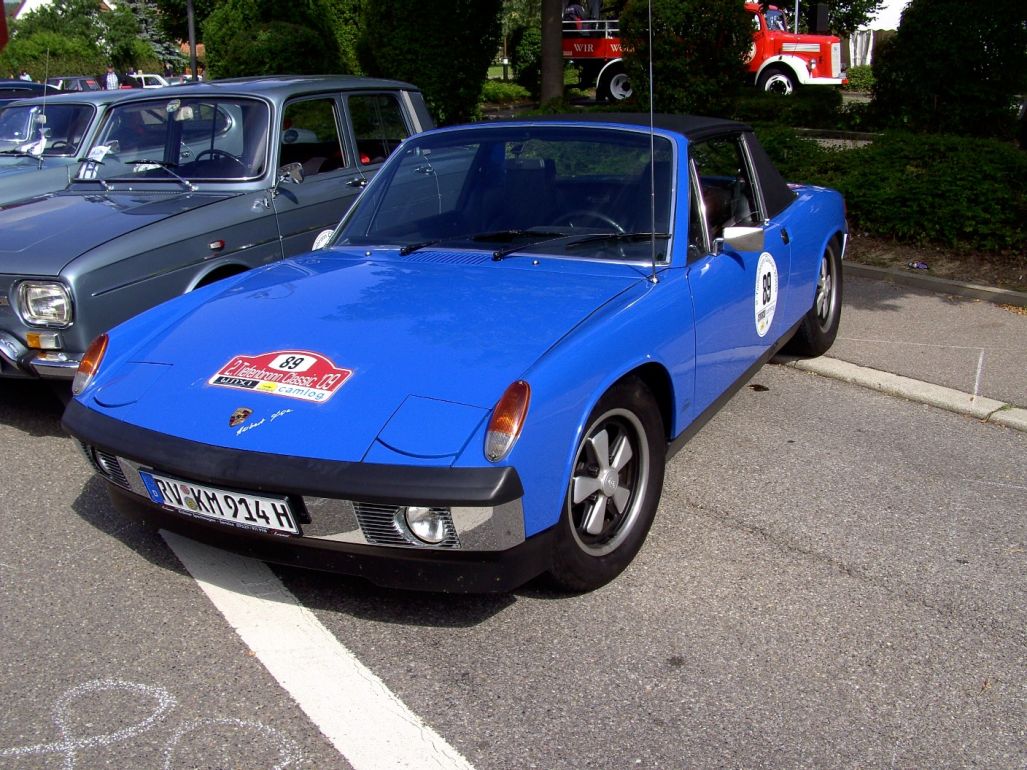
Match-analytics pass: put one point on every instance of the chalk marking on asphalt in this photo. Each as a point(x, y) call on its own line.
point(980, 372)
point(926, 344)
point(354, 709)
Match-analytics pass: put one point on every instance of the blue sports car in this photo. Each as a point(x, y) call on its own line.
point(480, 374)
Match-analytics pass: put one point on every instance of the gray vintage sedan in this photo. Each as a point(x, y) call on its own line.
point(41, 140)
point(183, 187)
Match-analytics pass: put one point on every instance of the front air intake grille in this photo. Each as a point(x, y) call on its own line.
point(450, 257)
point(385, 525)
point(107, 465)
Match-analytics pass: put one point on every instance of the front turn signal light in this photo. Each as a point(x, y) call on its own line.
point(507, 420)
point(90, 364)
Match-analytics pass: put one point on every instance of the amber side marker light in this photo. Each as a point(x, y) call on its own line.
point(507, 421)
point(89, 364)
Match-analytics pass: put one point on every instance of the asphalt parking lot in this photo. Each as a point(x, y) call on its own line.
point(835, 579)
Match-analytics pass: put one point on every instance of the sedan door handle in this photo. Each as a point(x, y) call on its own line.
point(358, 182)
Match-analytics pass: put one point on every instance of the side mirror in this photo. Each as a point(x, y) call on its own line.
point(740, 239)
point(291, 172)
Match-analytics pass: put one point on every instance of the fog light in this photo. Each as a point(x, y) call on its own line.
point(426, 524)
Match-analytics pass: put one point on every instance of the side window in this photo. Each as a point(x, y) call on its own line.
point(378, 126)
point(725, 183)
point(310, 136)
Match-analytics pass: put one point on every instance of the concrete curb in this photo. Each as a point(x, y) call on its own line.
point(941, 285)
point(986, 409)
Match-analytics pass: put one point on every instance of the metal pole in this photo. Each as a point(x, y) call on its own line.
point(795, 20)
point(191, 18)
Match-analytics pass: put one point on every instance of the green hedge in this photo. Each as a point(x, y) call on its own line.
point(952, 191)
point(503, 91)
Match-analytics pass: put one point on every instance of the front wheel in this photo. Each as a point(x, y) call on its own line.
point(777, 81)
point(819, 327)
point(614, 489)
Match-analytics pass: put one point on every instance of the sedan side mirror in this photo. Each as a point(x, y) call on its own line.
point(291, 172)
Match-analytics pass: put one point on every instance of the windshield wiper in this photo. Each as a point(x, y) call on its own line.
point(18, 153)
point(494, 235)
point(167, 166)
point(598, 237)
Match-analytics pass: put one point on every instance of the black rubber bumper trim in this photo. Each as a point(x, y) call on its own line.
point(288, 474)
point(407, 568)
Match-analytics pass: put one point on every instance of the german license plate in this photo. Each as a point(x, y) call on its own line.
point(235, 508)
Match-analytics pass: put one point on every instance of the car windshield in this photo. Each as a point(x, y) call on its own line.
point(212, 139)
point(515, 188)
point(60, 128)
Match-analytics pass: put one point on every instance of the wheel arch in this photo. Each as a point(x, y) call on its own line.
point(215, 273)
point(791, 65)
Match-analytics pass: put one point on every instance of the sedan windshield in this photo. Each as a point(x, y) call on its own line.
point(513, 189)
point(56, 129)
point(220, 139)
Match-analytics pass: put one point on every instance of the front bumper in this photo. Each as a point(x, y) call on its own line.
point(17, 360)
point(345, 508)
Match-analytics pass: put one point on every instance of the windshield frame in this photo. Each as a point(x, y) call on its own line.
point(173, 154)
point(367, 209)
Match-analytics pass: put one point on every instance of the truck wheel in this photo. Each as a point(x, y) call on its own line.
point(614, 86)
point(777, 80)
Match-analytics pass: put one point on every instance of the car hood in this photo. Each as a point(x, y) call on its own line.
point(42, 235)
point(421, 354)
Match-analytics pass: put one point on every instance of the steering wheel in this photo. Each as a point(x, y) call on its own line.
point(216, 154)
point(587, 215)
point(60, 144)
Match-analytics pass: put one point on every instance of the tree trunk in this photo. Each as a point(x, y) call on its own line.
point(552, 50)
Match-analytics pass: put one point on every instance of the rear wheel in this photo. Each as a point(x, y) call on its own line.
point(614, 85)
point(614, 489)
point(819, 327)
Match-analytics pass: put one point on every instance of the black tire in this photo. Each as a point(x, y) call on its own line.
point(615, 487)
point(613, 85)
point(777, 80)
point(819, 326)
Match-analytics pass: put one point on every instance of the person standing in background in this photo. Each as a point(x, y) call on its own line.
point(110, 80)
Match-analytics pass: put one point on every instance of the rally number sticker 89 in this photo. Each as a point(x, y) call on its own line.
point(290, 373)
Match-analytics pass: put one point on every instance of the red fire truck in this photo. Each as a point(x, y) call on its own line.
point(778, 60)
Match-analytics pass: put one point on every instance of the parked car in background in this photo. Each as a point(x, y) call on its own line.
point(41, 140)
point(23, 89)
point(75, 83)
point(479, 378)
point(151, 81)
point(183, 187)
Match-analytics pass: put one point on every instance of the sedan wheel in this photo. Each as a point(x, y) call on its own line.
point(614, 489)
point(819, 327)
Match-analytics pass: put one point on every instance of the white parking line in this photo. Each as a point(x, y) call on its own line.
point(363, 719)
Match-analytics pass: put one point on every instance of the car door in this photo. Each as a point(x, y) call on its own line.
point(735, 287)
point(312, 133)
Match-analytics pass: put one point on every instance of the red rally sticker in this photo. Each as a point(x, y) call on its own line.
point(291, 373)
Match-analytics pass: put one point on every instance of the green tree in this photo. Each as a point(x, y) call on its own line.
point(949, 71)
point(846, 16)
point(697, 50)
point(173, 16)
point(444, 46)
point(51, 53)
point(262, 37)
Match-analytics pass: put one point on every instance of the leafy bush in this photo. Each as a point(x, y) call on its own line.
point(255, 37)
point(527, 57)
point(697, 52)
point(813, 107)
point(499, 91)
point(66, 55)
point(953, 71)
point(402, 38)
point(861, 78)
point(946, 190)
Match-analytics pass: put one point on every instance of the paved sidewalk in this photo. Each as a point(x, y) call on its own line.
point(963, 354)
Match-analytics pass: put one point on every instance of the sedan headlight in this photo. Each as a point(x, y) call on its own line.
point(44, 303)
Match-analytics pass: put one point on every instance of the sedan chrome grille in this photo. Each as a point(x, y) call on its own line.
point(385, 525)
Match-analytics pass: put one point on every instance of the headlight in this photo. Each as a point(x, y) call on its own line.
point(89, 365)
point(44, 303)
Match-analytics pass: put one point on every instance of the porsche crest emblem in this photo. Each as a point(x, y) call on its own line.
point(239, 416)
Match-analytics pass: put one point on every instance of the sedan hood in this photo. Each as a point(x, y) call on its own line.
point(373, 357)
point(42, 235)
